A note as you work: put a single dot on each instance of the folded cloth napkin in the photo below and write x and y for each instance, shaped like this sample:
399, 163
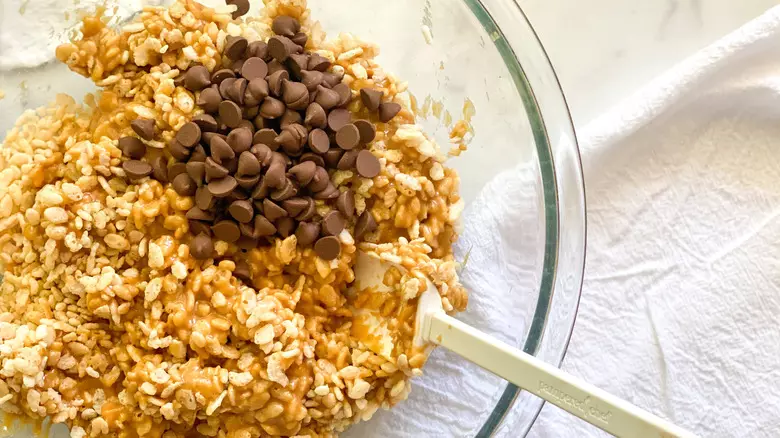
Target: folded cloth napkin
679, 310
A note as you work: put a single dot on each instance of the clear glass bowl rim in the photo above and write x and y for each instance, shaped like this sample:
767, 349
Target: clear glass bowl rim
486, 12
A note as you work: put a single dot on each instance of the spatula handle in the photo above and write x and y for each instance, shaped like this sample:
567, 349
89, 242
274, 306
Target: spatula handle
597, 407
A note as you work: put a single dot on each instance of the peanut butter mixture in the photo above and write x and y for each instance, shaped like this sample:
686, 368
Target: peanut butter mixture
127, 310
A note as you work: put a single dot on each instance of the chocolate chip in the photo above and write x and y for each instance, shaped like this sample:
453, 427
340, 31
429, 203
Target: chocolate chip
320, 180
263, 227
276, 82
287, 191
248, 164
175, 170
178, 151
307, 233
388, 110
197, 78
367, 131
197, 214
300, 39
272, 210
315, 116
261, 190
303, 172
295, 206
328, 248
214, 170
242, 7
231, 165
206, 123
318, 62
327, 98
367, 164
263, 153
258, 49
331, 79
247, 182
292, 139
285, 25
330, 192
198, 153
272, 108
345, 94
240, 140
136, 169
184, 185
206, 137
230, 113
209, 100
201, 246
309, 211
371, 98
220, 188
290, 117
236, 66
237, 91
247, 243
241, 211
285, 226
144, 128
365, 224
224, 87
295, 95
188, 135
237, 195
281, 47
160, 169
348, 160
220, 150
316, 159
274, 177
242, 272
346, 203
226, 230
204, 199
275, 66
221, 75
254, 68
235, 46
348, 137
333, 156
246, 124
333, 223
267, 137
311, 78
298, 63
338, 118
132, 147
196, 170
198, 227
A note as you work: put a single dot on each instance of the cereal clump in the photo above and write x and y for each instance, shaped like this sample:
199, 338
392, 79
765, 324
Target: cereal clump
109, 324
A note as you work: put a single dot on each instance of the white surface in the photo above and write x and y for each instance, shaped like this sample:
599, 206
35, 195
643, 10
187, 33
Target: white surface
682, 286
604, 50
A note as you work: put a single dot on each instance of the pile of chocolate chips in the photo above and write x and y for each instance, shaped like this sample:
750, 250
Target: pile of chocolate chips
275, 127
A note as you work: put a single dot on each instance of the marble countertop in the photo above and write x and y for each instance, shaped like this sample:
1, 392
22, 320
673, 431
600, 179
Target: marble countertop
605, 50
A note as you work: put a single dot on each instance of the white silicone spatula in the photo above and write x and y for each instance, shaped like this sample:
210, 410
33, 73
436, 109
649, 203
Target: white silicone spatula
597, 407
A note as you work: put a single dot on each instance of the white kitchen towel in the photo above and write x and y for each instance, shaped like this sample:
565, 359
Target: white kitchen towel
680, 305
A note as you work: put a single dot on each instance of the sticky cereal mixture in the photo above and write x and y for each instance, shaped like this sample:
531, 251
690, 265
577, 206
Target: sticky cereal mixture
164, 274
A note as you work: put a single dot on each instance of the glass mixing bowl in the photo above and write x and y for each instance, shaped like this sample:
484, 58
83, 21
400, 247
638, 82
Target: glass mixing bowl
521, 175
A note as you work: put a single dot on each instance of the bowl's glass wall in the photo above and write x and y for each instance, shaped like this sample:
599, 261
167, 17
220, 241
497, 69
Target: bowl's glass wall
523, 148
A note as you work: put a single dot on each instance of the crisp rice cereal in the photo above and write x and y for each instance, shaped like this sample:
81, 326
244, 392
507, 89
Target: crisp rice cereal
107, 324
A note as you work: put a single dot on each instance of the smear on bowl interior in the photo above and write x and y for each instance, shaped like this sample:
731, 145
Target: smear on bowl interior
178, 250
